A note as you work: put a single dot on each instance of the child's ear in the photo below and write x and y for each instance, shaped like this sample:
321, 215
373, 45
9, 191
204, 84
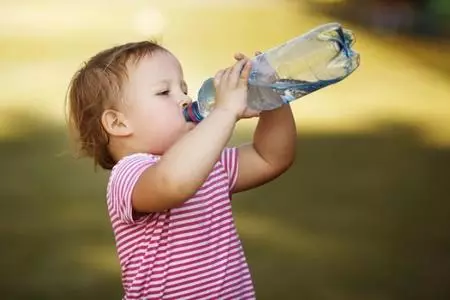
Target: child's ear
115, 123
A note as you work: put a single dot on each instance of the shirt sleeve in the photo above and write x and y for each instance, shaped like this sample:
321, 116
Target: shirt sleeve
229, 160
123, 179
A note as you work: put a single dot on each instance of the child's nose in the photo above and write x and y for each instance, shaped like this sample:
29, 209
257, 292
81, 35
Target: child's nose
185, 101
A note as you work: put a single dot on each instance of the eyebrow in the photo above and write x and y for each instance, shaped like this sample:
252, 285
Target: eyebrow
167, 81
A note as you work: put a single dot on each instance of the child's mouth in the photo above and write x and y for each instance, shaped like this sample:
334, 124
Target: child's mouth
191, 125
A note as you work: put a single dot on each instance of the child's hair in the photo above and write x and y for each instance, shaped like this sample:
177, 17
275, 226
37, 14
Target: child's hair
97, 86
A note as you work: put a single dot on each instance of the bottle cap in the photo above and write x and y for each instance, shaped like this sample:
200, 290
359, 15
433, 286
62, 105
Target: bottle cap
192, 113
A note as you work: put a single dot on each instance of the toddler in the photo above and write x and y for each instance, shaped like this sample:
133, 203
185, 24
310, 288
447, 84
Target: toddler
171, 181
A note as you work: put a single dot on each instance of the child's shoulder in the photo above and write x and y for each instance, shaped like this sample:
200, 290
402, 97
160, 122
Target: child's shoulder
133, 159
129, 167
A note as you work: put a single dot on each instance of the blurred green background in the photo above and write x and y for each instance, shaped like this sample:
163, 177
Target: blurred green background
363, 214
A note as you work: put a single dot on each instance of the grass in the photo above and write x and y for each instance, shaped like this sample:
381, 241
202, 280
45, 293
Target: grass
359, 216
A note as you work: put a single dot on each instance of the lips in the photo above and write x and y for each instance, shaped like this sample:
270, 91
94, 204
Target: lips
191, 125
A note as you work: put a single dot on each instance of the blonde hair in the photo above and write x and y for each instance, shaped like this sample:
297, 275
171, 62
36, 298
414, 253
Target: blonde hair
97, 86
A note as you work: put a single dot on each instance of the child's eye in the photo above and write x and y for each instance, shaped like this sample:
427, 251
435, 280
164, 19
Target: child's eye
163, 93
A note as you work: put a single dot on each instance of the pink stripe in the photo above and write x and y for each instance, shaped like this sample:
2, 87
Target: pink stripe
209, 283
189, 272
227, 236
126, 248
217, 263
151, 271
125, 231
233, 254
177, 288
207, 233
215, 179
139, 235
210, 207
128, 241
231, 294
224, 222
197, 257
213, 190
203, 217
204, 214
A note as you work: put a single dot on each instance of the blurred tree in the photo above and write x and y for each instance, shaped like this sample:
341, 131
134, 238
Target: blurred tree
424, 17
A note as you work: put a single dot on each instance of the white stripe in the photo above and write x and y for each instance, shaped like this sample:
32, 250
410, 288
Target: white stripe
183, 214
227, 234
201, 216
209, 256
196, 207
126, 233
214, 179
202, 201
187, 237
196, 273
128, 236
147, 265
201, 271
232, 293
203, 224
129, 240
211, 190
213, 248
201, 208
205, 244
198, 202
211, 196
231, 287
188, 288
158, 252
233, 253
201, 284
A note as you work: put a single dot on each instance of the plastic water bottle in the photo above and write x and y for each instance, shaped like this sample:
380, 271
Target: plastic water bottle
319, 58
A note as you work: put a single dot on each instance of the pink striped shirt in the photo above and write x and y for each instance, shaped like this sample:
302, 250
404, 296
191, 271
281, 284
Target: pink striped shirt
189, 252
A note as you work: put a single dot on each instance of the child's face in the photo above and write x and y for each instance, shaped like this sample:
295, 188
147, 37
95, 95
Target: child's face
155, 95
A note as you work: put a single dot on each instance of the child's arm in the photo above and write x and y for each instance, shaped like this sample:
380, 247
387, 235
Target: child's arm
186, 165
272, 151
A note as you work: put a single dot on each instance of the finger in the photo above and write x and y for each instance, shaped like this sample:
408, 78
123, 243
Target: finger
227, 74
218, 77
239, 56
237, 70
258, 53
245, 74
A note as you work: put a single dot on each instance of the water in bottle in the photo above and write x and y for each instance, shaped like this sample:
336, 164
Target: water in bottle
317, 59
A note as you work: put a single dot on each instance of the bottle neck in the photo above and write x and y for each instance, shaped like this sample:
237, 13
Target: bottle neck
192, 113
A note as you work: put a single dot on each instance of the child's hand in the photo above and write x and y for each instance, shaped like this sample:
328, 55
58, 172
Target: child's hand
239, 56
231, 88
248, 113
